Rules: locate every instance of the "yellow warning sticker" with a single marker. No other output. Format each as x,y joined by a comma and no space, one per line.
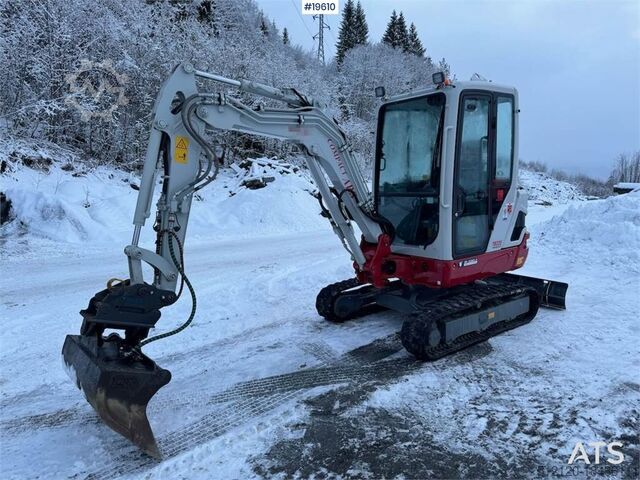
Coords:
181,150
491,315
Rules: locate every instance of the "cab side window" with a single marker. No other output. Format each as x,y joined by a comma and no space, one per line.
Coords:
504,139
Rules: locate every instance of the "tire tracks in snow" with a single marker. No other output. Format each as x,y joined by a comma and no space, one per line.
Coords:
67,416
377,349
238,405
245,401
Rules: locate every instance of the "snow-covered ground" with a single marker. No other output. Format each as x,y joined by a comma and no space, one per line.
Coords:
262,387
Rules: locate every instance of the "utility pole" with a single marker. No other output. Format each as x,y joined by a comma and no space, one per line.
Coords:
320,36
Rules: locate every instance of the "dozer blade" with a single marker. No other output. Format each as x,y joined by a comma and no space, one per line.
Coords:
118,383
552,294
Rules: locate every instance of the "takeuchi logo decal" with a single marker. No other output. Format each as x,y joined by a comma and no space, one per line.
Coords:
96,90
343,170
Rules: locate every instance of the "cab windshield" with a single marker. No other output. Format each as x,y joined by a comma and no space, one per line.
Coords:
408,166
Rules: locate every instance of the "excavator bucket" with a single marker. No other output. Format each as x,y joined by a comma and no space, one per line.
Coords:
118,383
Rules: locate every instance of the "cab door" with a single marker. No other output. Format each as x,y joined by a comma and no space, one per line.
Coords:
472,187
503,126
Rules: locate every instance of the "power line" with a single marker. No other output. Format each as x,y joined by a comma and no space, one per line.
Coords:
302,19
335,40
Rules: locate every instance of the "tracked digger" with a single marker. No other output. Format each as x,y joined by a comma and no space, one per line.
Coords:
434,238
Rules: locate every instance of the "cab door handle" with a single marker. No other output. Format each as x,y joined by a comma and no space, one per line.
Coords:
459,203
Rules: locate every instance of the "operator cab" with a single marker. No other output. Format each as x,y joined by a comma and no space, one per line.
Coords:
412,168
408,166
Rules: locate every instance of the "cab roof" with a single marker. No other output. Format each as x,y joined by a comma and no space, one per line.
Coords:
467,85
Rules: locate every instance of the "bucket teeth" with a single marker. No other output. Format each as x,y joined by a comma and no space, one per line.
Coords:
118,383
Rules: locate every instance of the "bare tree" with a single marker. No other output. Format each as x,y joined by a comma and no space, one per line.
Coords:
626,168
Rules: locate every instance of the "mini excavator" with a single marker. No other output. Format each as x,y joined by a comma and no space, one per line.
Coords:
441,227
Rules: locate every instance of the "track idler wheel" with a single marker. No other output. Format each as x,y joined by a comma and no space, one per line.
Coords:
346,300
420,338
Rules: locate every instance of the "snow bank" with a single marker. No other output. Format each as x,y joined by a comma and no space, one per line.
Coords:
544,189
284,205
57,198
604,231
45,216
65,202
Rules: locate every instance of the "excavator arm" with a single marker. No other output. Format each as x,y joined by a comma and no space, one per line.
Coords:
117,378
179,151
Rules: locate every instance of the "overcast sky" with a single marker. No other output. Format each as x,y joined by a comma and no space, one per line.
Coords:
576,64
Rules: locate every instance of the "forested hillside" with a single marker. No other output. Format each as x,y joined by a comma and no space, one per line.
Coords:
45,47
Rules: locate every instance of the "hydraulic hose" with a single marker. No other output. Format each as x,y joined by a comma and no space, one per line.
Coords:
180,267
201,179
199,182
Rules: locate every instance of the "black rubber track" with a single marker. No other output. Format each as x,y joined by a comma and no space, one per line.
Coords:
326,299
415,331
